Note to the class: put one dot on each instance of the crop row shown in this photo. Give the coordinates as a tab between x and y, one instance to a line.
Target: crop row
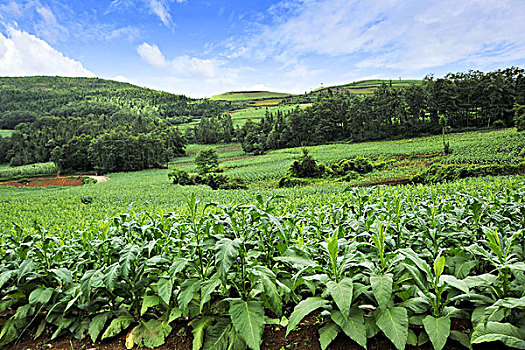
404	263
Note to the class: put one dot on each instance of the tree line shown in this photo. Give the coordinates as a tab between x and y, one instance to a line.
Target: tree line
459	101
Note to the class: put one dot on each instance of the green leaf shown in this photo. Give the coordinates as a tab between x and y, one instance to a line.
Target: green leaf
128	256
117	325
6	276
152	334
493	331
24	311
342	294
147	302
461	338
199	326
188	289
64	275
438	330
271	295
439	266
217	335
382	288
207	288
9	332
394	323
248	320
327	334
110	277
40	296
97	324
165	289
454	282
353	326
227	250
302	309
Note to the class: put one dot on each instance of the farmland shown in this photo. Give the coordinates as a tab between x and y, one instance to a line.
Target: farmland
422	249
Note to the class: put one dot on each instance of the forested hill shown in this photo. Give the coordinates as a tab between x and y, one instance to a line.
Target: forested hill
22	99
90	123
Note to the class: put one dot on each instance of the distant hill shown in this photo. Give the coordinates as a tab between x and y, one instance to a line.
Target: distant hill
248	96
61	96
268	98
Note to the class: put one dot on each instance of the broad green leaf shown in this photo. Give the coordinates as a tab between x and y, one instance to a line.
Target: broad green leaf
382	288
152	334
217	335
505	332
439	266
9	332
188	289
248	320
40	296
111	275
24	311
128	256
460	337
438	330
199	326
342	294
353	326
271	295
6	276
64	275
327	334
411	338
97	324
147	302
394	323
117	325
207	289
302	309
454	282
227	250
165	289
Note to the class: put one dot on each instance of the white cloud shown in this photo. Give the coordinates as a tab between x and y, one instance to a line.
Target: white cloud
23	54
152	55
159	8
193	66
48	27
394	34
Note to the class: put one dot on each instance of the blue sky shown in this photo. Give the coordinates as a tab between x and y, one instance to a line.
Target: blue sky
201	48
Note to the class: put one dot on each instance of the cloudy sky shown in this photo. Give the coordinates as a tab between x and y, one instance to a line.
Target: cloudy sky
201	48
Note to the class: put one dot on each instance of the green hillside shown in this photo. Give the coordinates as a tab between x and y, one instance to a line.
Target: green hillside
248	96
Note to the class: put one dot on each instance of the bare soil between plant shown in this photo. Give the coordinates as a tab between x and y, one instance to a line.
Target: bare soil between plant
45	181
305	337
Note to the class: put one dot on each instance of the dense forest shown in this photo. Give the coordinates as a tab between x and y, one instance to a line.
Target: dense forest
85	124
458	101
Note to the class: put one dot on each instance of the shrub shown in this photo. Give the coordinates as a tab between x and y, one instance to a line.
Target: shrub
290	181
452	172
358	165
180	177
219	181
305	166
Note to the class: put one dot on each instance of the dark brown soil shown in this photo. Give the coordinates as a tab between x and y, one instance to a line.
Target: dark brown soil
44	182
304	338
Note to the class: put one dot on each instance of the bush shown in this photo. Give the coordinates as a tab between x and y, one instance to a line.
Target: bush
305	166
86	180
180	177
219	181
290	181
358	165
452	172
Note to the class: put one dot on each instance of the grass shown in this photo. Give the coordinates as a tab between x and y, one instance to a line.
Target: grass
38	169
5	133
248	95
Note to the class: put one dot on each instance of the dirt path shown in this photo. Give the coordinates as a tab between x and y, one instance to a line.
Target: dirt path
99	178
